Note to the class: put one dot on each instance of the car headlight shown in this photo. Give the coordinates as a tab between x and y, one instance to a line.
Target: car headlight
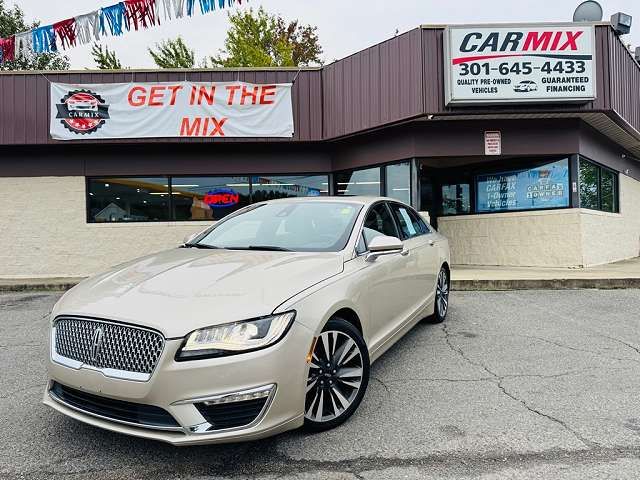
237	337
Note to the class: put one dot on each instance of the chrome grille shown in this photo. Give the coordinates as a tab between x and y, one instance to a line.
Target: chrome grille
120	347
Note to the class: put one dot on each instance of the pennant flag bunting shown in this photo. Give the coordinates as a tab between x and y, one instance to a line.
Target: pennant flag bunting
190	4
141	13
90	27
115	17
7	49
44	39
66	32
24	45
173	8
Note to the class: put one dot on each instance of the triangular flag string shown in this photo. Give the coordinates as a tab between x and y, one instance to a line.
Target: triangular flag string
112	20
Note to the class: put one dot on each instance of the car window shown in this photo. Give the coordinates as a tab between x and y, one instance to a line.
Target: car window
410	223
297	226
378	222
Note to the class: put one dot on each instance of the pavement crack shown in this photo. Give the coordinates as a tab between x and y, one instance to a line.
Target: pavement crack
583	440
498	380
381	382
628	345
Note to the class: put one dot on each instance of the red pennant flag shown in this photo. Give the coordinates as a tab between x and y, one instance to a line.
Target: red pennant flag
66	32
141	13
8	49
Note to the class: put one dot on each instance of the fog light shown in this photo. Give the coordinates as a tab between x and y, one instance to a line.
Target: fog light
253	394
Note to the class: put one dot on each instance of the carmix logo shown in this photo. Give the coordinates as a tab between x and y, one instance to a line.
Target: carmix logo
82	111
501	44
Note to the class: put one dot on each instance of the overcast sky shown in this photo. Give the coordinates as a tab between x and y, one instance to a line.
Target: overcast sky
344	26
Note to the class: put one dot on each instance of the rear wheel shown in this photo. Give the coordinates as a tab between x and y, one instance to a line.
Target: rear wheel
338	376
441	303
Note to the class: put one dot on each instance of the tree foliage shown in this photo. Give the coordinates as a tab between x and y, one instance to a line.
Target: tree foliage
173	54
105	59
260	39
12	21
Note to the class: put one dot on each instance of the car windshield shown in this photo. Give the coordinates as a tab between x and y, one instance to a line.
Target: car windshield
319	226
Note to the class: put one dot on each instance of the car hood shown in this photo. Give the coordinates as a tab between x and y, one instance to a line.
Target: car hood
184	289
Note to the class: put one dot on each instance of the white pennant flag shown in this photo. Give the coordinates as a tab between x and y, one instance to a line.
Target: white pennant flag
173	7
24	45
88	27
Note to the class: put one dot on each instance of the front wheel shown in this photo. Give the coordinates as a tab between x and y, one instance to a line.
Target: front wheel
338	376
441	303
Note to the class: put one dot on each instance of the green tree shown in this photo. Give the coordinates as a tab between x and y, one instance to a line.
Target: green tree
105	59
12	21
173	54
260	39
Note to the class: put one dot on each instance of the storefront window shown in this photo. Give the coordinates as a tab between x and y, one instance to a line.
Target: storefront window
270	187
359	182
399	181
598	187
132	199
208	198
541	187
588	185
456	199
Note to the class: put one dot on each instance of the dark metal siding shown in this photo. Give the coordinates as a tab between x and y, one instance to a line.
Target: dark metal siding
624	86
396	80
378	86
24	101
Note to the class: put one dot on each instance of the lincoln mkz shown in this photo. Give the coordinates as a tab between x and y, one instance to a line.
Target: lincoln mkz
265	322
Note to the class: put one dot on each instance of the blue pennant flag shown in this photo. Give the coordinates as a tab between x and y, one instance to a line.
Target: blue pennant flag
44	39
116	19
207	5
190	4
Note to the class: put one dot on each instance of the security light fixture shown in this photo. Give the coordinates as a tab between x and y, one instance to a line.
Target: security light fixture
621	23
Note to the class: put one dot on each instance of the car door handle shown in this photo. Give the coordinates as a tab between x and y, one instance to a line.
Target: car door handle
431	243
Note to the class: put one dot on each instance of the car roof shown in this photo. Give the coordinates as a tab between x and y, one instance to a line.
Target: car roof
357	199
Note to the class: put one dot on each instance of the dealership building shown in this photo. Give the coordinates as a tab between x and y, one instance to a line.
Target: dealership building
520	143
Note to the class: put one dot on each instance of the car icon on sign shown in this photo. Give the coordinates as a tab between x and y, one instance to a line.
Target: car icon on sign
526	86
82	102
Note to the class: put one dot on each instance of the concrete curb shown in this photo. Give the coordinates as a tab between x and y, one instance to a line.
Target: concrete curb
457	285
546	284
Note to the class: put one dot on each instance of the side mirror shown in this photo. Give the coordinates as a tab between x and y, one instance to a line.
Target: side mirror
189	238
384	245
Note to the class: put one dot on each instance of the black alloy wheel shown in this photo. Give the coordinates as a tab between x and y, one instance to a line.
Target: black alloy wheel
338	376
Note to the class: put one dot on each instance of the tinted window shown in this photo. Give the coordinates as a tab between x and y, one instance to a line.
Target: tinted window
399	181
598	187
359	182
411	225
456	199
208	198
272	187
298	226
378	222
132	199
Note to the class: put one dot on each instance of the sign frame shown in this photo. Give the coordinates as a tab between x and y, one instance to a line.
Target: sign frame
448	73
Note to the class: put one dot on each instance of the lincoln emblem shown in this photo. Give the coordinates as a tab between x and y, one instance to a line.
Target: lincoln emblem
96	343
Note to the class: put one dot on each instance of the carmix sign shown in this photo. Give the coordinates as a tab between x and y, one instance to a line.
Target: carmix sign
520	63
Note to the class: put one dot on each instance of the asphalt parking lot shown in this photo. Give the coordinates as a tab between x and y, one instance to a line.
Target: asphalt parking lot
535	384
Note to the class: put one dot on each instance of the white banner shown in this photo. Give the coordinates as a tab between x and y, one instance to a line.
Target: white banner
170	109
520	63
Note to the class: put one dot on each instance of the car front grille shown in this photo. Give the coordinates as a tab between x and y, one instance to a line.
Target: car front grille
231	415
105	345
135	414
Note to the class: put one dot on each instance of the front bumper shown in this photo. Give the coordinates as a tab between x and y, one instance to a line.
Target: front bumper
177	386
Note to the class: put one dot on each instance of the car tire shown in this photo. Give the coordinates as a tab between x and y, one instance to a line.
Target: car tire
441	301
337	381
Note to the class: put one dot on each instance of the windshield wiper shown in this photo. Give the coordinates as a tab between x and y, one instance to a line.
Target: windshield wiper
266	248
200	245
